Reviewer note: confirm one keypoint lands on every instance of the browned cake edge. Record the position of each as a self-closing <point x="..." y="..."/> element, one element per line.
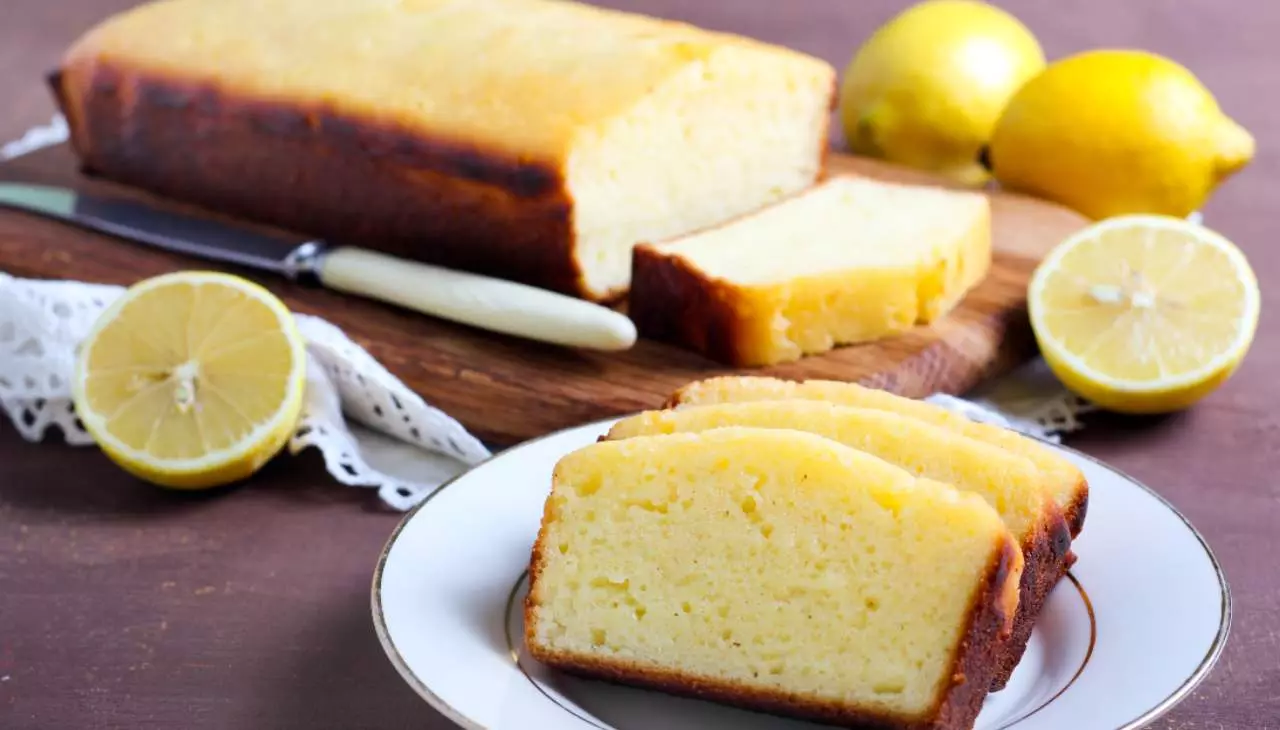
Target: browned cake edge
<point x="974" y="663"/>
<point x="322" y="172"/>
<point x="1076" y="512"/>
<point x="1045" y="551"/>
<point x="672" y="301"/>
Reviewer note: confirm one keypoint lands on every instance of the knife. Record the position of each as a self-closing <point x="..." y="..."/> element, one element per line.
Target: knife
<point x="480" y="301"/>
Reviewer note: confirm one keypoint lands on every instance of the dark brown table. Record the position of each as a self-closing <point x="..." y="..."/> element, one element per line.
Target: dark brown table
<point x="125" y="606"/>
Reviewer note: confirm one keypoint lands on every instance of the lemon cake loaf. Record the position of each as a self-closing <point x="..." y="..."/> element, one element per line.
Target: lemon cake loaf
<point x="849" y="260"/>
<point x="773" y="569"/>
<point x="536" y="140"/>
<point x="1063" y="479"/>
<point x="1008" y="482"/>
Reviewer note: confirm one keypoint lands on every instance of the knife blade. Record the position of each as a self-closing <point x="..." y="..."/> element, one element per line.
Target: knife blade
<point x="480" y="301"/>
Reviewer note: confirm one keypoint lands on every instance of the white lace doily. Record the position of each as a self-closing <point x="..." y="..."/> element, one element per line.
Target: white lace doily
<point x="1030" y="400"/>
<point x="394" y="442"/>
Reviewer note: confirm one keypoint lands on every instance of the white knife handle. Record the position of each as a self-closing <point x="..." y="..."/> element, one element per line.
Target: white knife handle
<point x="480" y="301"/>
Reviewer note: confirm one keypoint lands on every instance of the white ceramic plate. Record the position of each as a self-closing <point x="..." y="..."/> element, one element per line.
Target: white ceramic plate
<point x="1140" y="622"/>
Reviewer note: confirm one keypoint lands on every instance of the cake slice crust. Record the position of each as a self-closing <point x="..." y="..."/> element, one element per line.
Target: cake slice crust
<point x="734" y="565"/>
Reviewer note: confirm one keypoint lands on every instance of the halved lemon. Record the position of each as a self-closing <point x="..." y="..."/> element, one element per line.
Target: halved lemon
<point x="192" y="379"/>
<point x="1144" y="314"/>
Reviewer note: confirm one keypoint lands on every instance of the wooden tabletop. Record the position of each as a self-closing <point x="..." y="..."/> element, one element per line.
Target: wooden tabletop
<point x="125" y="606"/>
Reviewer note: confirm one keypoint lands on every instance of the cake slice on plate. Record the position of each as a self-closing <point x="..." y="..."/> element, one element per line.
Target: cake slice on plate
<point x="1008" y="482"/>
<point x="773" y="569"/>
<point x="849" y="260"/>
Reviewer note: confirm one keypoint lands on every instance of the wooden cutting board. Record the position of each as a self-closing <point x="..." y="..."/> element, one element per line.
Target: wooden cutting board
<point x="506" y="390"/>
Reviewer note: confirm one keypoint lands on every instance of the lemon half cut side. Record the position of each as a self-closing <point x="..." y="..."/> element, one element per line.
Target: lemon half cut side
<point x="191" y="380"/>
<point x="1144" y="313"/>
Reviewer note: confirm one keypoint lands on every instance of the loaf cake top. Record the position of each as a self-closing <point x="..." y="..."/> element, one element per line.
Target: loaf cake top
<point x="766" y="562"/>
<point x="846" y="222"/>
<point x="526" y="76"/>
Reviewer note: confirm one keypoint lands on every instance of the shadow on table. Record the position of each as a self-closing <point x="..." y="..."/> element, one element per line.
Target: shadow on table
<point x="1104" y="428"/>
<point x="337" y="676"/>
<point x="53" y="477"/>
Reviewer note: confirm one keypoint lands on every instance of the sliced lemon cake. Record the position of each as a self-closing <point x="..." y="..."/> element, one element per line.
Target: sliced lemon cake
<point x="1063" y="479"/>
<point x="773" y="569"/>
<point x="536" y="140"/>
<point x="849" y="260"/>
<point x="1008" y="482"/>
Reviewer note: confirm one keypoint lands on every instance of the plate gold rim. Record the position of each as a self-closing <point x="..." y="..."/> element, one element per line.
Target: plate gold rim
<point x="458" y="717"/>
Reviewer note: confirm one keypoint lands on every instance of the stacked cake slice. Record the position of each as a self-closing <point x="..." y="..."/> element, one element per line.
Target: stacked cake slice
<point x="852" y="559"/>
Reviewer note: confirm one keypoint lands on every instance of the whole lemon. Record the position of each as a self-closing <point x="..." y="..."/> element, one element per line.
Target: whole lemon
<point x="1110" y="132"/>
<point x="927" y="88"/>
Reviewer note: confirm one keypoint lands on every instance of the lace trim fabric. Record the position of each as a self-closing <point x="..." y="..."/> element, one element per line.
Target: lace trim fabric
<point x="371" y="430"/>
<point x="1029" y="400"/>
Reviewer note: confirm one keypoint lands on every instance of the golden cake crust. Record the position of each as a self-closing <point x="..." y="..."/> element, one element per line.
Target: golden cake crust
<point x="974" y="663"/>
<point x="444" y="201"/>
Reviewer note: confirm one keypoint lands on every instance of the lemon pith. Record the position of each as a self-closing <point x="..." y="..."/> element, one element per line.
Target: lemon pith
<point x="1144" y="314"/>
<point x="192" y="379"/>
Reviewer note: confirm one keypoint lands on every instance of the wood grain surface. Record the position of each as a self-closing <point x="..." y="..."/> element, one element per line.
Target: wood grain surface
<point x="122" y="606"/>
<point x="506" y="390"/>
